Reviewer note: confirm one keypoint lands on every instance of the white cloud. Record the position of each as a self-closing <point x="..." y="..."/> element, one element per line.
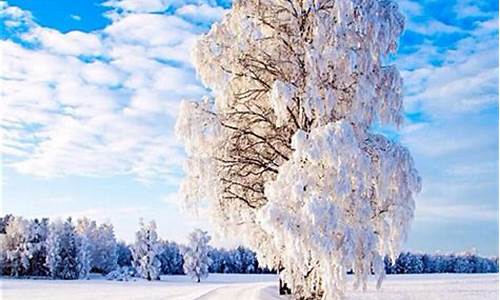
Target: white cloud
<point x="150" y="30"/>
<point x="411" y="8"/>
<point x="432" y="27"/>
<point x="465" y="82"/>
<point x="101" y="74"/>
<point x="469" y="9"/>
<point x="71" y="43"/>
<point x="201" y="13"/>
<point x="139" y="6"/>
<point x="75" y="17"/>
<point x="14" y="16"/>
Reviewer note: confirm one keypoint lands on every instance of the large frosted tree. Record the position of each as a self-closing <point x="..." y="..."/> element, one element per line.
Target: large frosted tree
<point x="285" y="153"/>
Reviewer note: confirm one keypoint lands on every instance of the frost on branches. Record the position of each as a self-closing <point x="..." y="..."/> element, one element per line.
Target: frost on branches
<point x="196" y="260"/>
<point x="284" y="153"/>
<point x="145" y="251"/>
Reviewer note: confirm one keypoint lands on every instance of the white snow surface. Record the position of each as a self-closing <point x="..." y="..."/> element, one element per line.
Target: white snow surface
<point x="246" y="287"/>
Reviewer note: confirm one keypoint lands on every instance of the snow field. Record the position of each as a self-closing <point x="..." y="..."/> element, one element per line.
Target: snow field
<point x="247" y="287"/>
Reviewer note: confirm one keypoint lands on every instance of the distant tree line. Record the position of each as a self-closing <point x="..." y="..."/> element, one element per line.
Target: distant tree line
<point x="63" y="249"/>
<point x="466" y="262"/>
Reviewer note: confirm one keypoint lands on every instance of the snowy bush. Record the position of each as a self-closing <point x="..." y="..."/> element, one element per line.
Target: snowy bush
<point x="145" y="252"/>
<point x="196" y="260"/>
<point x="121" y="274"/>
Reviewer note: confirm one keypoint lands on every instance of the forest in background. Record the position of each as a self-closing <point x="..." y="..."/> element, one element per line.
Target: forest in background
<point x="28" y="248"/>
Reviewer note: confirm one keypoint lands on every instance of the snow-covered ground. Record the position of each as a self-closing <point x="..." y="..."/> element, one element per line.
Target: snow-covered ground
<point x="246" y="287"/>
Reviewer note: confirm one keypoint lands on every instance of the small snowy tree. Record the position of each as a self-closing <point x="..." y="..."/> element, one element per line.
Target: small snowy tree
<point x="196" y="260"/>
<point x="63" y="253"/>
<point x="286" y="155"/>
<point x="145" y="251"/>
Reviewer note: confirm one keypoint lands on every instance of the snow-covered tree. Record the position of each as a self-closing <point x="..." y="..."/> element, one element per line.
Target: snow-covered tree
<point x="101" y="243"/>
<point x="195" y="253"/>
<point x="63" y="253"/>
<point x="217" y="260"/>
<point x="145" y="251"/>
<point x="87" y="231"/>
<point x="171" y="258"/>
<point x="39" y="230"/>
<point x="84" y="256"/>
<point x="17" y="247"/>
<point x="4" y="221"/>
<point x="4" y="264"/>
<point x="124" y="254"/>
<point x="249" y="260"/>
<point x="105" y="256"/>
<point x="286" y="155"/>
<point x="409" y="263"/>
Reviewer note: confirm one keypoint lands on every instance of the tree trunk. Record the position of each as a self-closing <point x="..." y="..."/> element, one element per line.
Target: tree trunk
<point x="283" y="288"/>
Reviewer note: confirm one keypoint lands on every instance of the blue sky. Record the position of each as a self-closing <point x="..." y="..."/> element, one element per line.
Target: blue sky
<point x="90" y="92"/>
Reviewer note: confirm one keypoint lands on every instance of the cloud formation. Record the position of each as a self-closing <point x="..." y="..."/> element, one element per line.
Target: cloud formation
<point x="449" y="63"/>
<point x="98" y="103"/>
<point x="103" y="103"/>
